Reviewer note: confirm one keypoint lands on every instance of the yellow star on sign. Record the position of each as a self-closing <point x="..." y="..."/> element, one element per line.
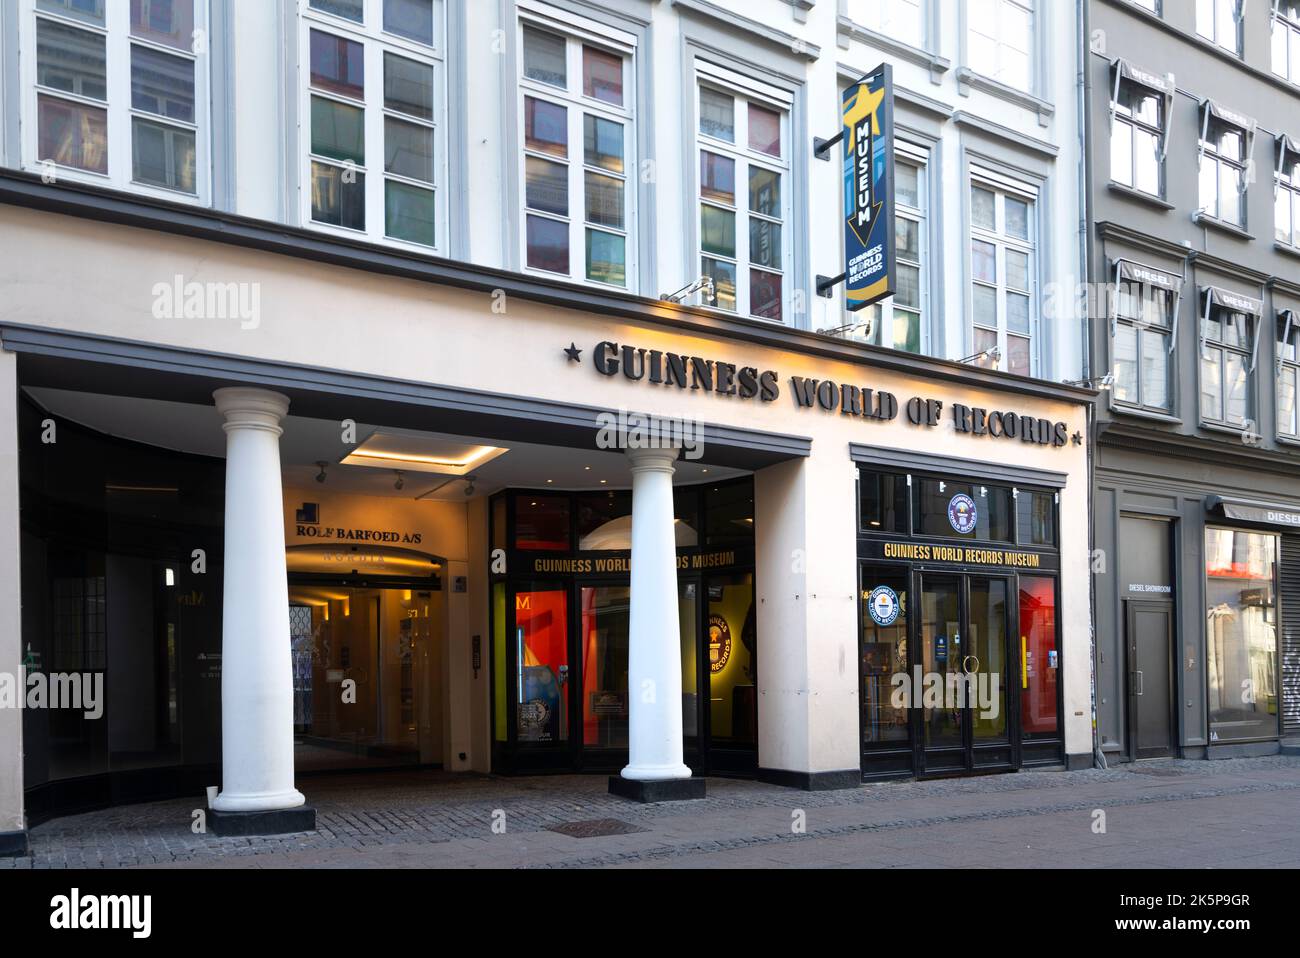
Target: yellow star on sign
<point x="866" y="102"/>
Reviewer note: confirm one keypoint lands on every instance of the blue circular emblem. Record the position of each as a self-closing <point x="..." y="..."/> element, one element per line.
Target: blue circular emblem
<point x="882" y="605"/>
<point x="962" y="514"/>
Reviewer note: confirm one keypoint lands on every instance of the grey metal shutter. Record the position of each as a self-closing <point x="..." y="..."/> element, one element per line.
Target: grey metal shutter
<point x="1289" y="595"/>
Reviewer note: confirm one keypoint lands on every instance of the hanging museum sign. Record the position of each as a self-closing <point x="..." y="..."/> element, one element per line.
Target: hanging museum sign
<point x="867" y="109"/>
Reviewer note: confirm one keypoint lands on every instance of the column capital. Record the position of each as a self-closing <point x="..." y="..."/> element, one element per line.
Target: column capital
<point x="650" y="459"/>
<point x="246" y="407"/>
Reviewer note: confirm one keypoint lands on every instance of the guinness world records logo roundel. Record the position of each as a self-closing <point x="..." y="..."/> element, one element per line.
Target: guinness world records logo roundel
<point x="719" y="643"/>
<point x="962" y="514"/>
<point x="882" y="605"/>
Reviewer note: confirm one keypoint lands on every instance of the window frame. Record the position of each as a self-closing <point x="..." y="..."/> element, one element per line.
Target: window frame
<point x="577" y="33"/>
<point x="375" y="42"/>
<point x="1003" y="188"/>
<point x="1215" y="117"/>
<point x="908" y="154"/>
<point x="119" y="113"/>
<point x="1248" y="355"/>
<point x="882" y="24"/>
<point x="1288" y="185"/>
<point x="1000" y="42"/>
<point x="744" y="93"/>
<point x="1142" y="327"/>
<point x="1288" y="321"/>
<point x="1213" y="37"/>
<point x="1291" y="42"/>
<point x="1160" y="130"/>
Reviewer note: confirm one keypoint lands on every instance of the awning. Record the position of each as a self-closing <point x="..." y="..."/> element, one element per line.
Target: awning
<point x="1131" y="272"/>
<point x="1234" y="301"/>
<point x="1161" y="84"/>
<point x="1247" y="511"/>
<point x="1239" y="120"/>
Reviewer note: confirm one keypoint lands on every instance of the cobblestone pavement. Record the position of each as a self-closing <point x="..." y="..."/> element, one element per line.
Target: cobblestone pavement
<point x="1166" y="814"/>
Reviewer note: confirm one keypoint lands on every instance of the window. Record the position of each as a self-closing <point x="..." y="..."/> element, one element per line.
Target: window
<point x="1286" y="193"/>
<point x="1137" y="130"/>
<point x="882" y="502"/>
<point x="374" y="161"/>
<point x="1288" y="373"/>
<point x="578" y="158"/>
<point x="901" y="20"/>
<point x="962" y="510"/>
<point x="1228" y="329"/>
<point x="1003" y="312"/>
<point x="1152" y="5"/>
<point x="896" y="322"/>
<point x="141" y="126"/>
<point x="1286" y="39"/>
<point x="743" y="145"/>
<point x="1241" y="633"/>
<point x="1000" y="39"/>
<point x="1143" y="336"/>
<point x="1225" y="150"/>
<point x="1219" y="21"/>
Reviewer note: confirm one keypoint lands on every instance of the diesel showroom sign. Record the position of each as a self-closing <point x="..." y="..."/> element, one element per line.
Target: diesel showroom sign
<point x="658" y="368"/>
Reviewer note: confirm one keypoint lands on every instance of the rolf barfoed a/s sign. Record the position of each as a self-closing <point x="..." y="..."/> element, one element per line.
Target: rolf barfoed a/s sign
<point x="867" y="109"/>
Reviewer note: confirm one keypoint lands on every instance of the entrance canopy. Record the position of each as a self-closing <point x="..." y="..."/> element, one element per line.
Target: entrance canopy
<point x="1246" y="510"/>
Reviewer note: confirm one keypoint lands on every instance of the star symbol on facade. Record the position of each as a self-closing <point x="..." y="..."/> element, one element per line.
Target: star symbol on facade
<point x="1077" y="438"/>
<point x="573" y="352"/>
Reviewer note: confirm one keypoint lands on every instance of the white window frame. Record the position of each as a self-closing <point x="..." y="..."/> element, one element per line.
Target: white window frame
<point x="578" y="32"/>
<point x="743" y="91"/>
<point x="1159" y="129"/>
<point x="1286" y="188"/>
<point x="1209" y="153"/>
<point x="1002" y="187"/>
<point x="1142" y="328"/>
<point x="882" y="16"/>
<point x="119" y="113"/>
<point x="1288" y="322"/>
<point x="995" y="32"/>
<point x="375" y="41"/>
<point x="1246" y="353"/>
<point x="1208" y="15"/>
<point x="882" y="313"/>
<point x="1285" y="29"/>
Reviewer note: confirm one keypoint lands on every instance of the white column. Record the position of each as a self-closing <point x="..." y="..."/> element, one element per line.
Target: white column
<point x="654" y="662"/>
<point x="256" y="672"/>
<point x="11" y="631"/>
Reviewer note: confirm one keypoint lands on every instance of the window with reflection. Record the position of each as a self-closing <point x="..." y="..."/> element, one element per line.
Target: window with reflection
<point x="1039" y="662"/>
<point x="1241" y="633"/>
<point x="1143" y="337"/>
<point x="1222" y="167"/>
<point x="542" y="522"/>
<point x="882" y="502"/>
<point x="884" y="654"/>
<point x="1036" y="517"/>
<point x="729" y="514"/>
<point x="961" y="510"/>
<point x="1227" y="364"/>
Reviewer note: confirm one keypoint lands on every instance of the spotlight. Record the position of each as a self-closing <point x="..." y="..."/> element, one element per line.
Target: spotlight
<point x="469" y="485"/>
<point x="400" y="481"/>
<point x="702" y="285"/>
<point x="320" y="476"/>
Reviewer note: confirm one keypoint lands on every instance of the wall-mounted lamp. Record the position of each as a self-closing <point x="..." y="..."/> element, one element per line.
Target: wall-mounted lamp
<point x="703" y="284"/>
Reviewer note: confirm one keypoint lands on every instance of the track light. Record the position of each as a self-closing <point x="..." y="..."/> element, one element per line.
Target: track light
<point x="320" y="476"/>
<point x="469" y="485"/>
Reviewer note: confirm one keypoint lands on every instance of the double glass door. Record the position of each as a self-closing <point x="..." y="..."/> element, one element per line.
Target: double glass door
<point x="960" y="694"/>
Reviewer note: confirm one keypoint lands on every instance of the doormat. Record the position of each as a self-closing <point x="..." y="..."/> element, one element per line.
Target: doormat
<point x="596" y="828"/>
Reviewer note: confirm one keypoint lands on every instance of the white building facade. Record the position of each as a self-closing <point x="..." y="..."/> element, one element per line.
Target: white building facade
<point x="323" y="308"/>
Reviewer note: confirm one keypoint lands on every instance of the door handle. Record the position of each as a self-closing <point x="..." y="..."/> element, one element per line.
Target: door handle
<point x="1137" y="683"/>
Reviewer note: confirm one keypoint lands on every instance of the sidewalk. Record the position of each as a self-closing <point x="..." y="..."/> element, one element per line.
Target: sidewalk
<point x="1166" y="814"/>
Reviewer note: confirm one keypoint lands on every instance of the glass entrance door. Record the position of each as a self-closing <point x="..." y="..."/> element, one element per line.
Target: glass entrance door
<point x="963" y="631"/>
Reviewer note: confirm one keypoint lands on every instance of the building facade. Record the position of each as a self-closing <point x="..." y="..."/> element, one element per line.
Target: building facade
<point x="1192" y="126"/>
<point x="336" y="359"/>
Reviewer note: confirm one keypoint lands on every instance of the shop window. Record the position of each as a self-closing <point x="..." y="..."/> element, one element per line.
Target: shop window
<point x="1241" y="634"/>
<point x="542" y="658"/>
<point x="884" y="655"/>
<point x="1036" y="517"/>
<point x="1286" y="39"/>
<point x="499" y="660"/>
<point x="159" y="97"/>
<point x="686" y="513"/>
<point x="732" y="661"/>
<point x="882" y="502"/>
<point x="604" y="666"/>
<point x="1039" y="664"/>
<point x="1139" y="118"/>
<point x="1003" y="297"/>
<point x="896" y="322"/>
<point x="372" y="98"/>
<point x="605" y="521"/>
<point x="1288" y="373"/>
<point x="1228" y="344"/>
<point x="578" y="156"/>
<point x="1000" y="40"/>
<point x="1219" y="21"/>
<point x="1143" y="340"/>
<point x="729" y="514"/>
<point x="1225" y="152"/>
<point x="542" y="522"/>
<point x="743" y="144"/>
<point x="961" y="510"/>
<point x="901" y="20"/>
<point x="1286" y="193"/>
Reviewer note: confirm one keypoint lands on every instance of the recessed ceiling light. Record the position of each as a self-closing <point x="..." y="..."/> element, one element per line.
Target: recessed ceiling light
<point x="603" y="481"/>
<point x="704" y="470"/>
<point x="588" y="468"/>
<point x="550" y="480"/>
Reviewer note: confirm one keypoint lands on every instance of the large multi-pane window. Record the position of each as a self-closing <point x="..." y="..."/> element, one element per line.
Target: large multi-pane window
<point x="897" y="322"/>
<point x="1145" y="302"/>
<point x="578" y="159"/>
<point x="1219" y="21"/>
<point x="1224" y="153"/>
<point x="1286" y="193"/>
<point x="1137" y="131"/>
<point x="1002" y="246"/>
<point x="1288" y="373"/>
<point x="1228" y="331"/>
<point x="902" y="20"/>
<point x="118" y="92"/>
<point x="1000" y="40"/>
<point x="375" y="151"/>
<point x="1286" y="39"/>
<point x="743" y="149"/>
<point x="1241" y="624"/>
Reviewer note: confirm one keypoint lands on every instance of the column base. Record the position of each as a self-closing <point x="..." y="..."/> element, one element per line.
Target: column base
<point x="13" y="844"/>
<point x="276" y="821"/>
<point x="664" y="790"/>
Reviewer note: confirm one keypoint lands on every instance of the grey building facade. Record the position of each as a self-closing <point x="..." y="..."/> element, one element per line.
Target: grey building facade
<point x="1193" y="113"/>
